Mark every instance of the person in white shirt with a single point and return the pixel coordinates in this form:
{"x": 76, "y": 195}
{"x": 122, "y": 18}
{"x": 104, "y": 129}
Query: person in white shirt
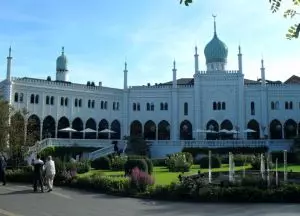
{"x": 50, "y": 173}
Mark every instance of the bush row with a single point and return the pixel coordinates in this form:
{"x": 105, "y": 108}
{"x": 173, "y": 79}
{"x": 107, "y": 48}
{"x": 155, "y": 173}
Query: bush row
{"x": 188, "y": 189}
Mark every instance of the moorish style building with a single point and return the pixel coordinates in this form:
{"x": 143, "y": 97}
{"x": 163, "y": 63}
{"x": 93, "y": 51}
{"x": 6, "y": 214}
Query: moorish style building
{"x": 182, "y": 112}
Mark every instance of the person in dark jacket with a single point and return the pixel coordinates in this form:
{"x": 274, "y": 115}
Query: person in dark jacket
{"x": 38, "y": 169}
{"x": 3, "y": 165}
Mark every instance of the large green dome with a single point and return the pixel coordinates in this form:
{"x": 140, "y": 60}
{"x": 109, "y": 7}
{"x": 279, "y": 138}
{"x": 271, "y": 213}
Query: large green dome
{"x": 216, "y": 50}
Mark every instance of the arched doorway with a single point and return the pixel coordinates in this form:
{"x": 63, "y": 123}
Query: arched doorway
{"x": 17, "y": 137}
{"x": 63, "y": 122}
{"x": 290, "y": 129}
{"x": 186, "y": 130}
{"x": 48, "y": 127}
{"x": 77, "y": 124}
{"x": 227, "y": 125}
{"x": 213, "y": 126}
{"x": 164, "y": 130}
{"x": 149, "y": 130}
{"x": 116, "y": 127}
{"x": 103, "y": 124}
{"x": 253, "y": 125}
{"x": 275, "y": 129}
{"x": 33, "y": 129}
{"x": 91, "y": 124}
{"x": 136, "y": 128}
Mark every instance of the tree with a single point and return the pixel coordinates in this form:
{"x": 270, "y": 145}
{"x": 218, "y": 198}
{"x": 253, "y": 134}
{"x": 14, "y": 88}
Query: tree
{"x": 5, "y": 111}
{"x": 136, "y": 145}
{"x": 293, "y": 31}
{"x": 186, "y": 2}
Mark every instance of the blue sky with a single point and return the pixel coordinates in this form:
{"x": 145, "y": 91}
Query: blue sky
{"x": 99, "y": 34}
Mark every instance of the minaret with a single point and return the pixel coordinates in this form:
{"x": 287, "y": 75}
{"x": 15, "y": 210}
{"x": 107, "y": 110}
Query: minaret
{"x": 240, "y": 60}
{"x": 125, "y": 76}
{"x": 263, "y": 74}
{"x": 196, "y": 60}
{"x": 8, "y": 70}
{"x": 174, "y": 75}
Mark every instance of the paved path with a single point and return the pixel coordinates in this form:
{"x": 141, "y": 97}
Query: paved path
{"x": 19, "y": 200}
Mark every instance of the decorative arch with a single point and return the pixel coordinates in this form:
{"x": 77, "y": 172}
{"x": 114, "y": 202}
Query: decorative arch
{"x": 116, "y": 127}
{"x": 91, "y": 123}
{"x": 63, "y": 122}
{"x": 186, "y": 130}
{"x": 150, "y": 130}
{"x": 33, "y": 129}
{"x": 213, "y": 126}
{"x": 136, "y": 128}
{"x": 290, "y": 129}
{"x": 163, "y": 130}
{"x": 226, "y": 124}
{"x": 253, "y": 125}
{"x": 103, "y": 124}
{"x": 275, "y": 129}
{"x": 48, "y": 127}
{"x": 77, "y": 124}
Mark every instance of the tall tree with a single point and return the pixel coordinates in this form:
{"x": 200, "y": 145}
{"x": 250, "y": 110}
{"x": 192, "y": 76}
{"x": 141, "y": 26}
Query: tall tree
{"x": 293, "y": 31}
{"x": 5, "y": 111}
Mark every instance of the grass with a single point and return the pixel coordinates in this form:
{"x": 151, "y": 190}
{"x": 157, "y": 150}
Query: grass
{"x": 162, "y": 175}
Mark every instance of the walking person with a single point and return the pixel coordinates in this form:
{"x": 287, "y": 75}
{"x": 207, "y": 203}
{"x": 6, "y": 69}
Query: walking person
{"x": 50, "y": 173}
{"x": 38, "y": 168}
{"x": 3, "y": 165}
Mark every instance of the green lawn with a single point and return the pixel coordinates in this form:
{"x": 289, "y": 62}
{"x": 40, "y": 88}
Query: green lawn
{"x": 294, "y": 168}
{"x": 162, "y": 175}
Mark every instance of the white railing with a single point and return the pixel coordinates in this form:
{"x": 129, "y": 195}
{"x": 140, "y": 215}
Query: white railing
{"x": 101, "y": 152}
{"x": 224, "y": 143}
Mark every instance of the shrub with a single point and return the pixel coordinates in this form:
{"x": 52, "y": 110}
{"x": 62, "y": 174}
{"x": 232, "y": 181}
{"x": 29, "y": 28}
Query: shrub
{"x": 240, "y": 160}
{"x": 178, "y": 163}
{"x": 118, "y": 162}
{"x": 215, "y": 162}
{"x": 159, "y": 162}
{"x": 133, "y": 163}
{"x": 140, "y": 180}
{"x": 255, "y": 163}
{"x": 148, "y": 161}
{"x": 103, "y": 163}
{"x": 189, "y": 157}
{"x": 83, "y": 166}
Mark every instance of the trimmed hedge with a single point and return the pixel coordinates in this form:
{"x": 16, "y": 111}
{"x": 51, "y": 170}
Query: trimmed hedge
{"x": 148, "y": 161}
{"x": 215, "y": 162}
{"x": 102, "y": 163}
{"x": 132, "y": 163}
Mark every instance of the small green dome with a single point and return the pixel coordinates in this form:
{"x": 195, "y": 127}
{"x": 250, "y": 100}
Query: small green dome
{"x": 62, "y": 62}
{"x": 216, "y": 50}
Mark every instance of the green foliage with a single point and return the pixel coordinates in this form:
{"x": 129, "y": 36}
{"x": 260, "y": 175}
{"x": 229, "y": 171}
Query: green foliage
{"x": 132, "y": 163}
{"x": 256, "y": 162}
{"x": 118, "y": 162}
{"x": 148, "y": 161}
{"x": 64, "y": 153}
{"x": 293, "y": 31}
{"x": 215, "y": 162}
{"x": 186, "y": 2}
{"x": 159, "y": 162}
{"x": 102, "y": 163}
{"x": 178, "y": 162}
{"x": 83, "y": 166}
{"x": 136, "y": 145}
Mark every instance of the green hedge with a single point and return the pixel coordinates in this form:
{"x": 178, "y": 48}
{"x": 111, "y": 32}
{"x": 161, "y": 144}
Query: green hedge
{"x": 148, "y": 161}
{"x": 159, "y": 162}
{"x": 102, "y": 163}
{"x": 132, "y": 163}
{"x": 215, "y": 162}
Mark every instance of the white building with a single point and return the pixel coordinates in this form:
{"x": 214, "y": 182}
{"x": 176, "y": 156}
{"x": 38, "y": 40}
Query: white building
{"x": 181, "y": 109}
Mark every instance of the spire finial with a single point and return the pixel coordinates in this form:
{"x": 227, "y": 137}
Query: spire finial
{"x": 63, "y": 50}
{"x": 125, "y": 65}
{"x": 215, "y": 26}
{"x": 9, "y": 51}
{"x": 196, "y": 50}
{"x": 174, "y": 64}
{"x": 240, "y": 49}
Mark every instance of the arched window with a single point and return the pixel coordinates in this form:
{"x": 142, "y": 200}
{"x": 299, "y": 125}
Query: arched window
{"x": 102, "y": 105}
{"x": 277, "y": 105}
{"x": 62, "y": 101}
{"x": 52, "y": 100}
{"x": 76, "y": 102}
{"x": 152, "y": 106}
{"x": 291, "y": 105}
{"x": 66, "y": 101}
{"x": 89, "y": 103}
{"x": 21, "y": 97}
{"x": 286, "y": 105}
{"x": 252, "y": 106}
{"x": 80, "y": 102}
{"x": 47, "y": 100}
{"x": 138, "y": 107}
{"x": 161, "y": 106}
{"x": 16, "y": 97}
{"x": 36, "y": 99}
{"x": 166, "y": 106}
{"x": 219, "y": 106}
{"x": 114, "y": 105}
{"x": 148, "y": 106}
{"x": 223, "y": 106}
{"x": 105, "y": 105}
{"x": 93, "y": 104}
{"x": 118, "y": 105}
{"x": 32, "y": 98}
{"x": 134, "y": 106}
{"x": 272, "y": 105}
{"x": 185, "y": 108}
{"x": 214, "y": 105}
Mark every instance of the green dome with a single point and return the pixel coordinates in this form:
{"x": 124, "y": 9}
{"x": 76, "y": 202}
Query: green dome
{"x": 216, "y": 51}
{"x": 62, "y": 62}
